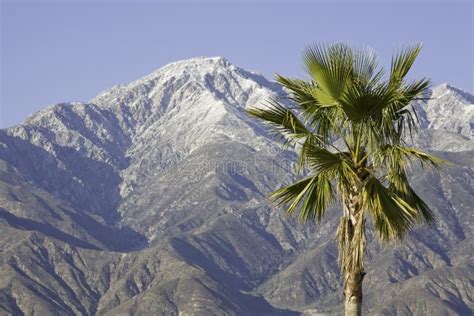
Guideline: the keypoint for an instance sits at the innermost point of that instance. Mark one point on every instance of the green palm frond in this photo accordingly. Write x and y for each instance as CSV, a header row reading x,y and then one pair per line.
x,y
396,157
325,119
300,91
333,164
331,69
401,187
320,195
401,64
303,153
328,122
366,67
392,215
362,102
401,112
320,159
281,121
409,92
315,193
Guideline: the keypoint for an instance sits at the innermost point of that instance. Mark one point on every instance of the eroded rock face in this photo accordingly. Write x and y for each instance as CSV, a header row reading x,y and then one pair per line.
x,y
151,199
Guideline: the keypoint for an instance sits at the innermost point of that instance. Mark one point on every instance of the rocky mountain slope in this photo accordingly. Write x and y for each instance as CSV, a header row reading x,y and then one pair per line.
x,y
151,199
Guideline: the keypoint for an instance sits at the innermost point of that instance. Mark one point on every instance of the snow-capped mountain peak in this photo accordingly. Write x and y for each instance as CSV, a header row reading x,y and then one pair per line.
x,y
447,89
205,87
450,109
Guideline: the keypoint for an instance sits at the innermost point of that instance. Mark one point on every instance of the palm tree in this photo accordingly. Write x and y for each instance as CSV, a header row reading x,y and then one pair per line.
x,y
348,122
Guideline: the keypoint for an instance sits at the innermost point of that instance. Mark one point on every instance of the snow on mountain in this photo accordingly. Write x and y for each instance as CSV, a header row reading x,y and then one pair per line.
x,y
210,95
208,87
184,106
450,109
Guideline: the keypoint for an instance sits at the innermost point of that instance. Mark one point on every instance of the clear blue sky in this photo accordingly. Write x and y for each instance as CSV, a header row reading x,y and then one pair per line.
x,y
59,51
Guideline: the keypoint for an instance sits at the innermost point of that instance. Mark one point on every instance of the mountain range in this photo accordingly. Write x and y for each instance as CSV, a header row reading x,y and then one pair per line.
x,y
151,199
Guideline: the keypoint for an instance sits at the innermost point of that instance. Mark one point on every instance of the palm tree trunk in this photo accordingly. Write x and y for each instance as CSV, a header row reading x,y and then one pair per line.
x,y
353,294
352,247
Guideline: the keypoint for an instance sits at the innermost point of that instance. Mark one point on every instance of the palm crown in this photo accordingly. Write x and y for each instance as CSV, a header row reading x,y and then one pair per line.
x,y
350,101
